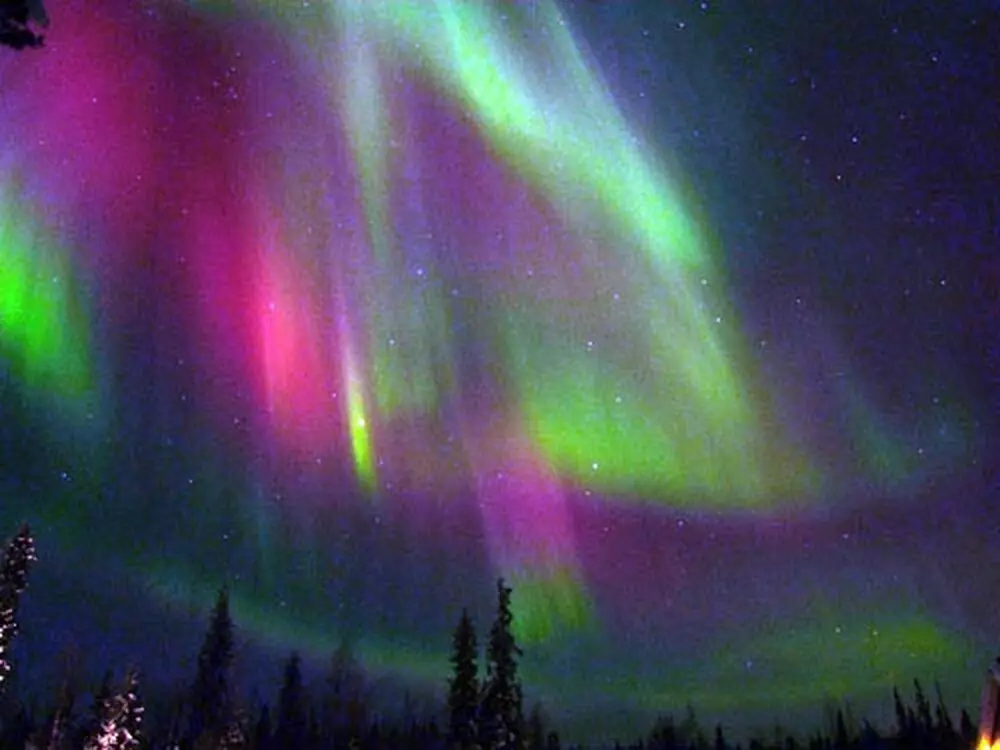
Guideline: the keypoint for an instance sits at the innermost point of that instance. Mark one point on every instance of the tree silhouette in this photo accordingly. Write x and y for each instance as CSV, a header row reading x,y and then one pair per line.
x,y
15,17
903,726
210,692
60,728
17,560
345,709
17,729
967,729
92,721
121,719
944,727
664,735
463,688
262,729
535,729
720,739
841,739
293,718
689,732
234,736
501,715
133,712
925,723
870,738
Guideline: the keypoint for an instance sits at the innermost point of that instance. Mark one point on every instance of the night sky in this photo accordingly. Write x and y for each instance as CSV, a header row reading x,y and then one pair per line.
x,y
680,316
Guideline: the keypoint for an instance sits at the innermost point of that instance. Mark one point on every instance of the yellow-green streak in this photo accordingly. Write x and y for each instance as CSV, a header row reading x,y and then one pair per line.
x,y
407,322
359,428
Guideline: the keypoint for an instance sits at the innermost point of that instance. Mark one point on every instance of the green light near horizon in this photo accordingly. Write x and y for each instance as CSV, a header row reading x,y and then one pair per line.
x,y
275,627
808,662
548,602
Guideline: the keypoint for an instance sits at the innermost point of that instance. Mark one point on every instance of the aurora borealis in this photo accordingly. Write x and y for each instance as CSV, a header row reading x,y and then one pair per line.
x,y
680,316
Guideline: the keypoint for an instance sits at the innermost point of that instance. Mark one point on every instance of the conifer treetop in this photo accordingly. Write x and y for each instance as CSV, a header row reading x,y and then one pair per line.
x,y
14,566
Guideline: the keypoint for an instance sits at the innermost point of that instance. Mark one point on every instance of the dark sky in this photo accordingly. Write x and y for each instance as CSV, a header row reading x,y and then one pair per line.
x,y
679,316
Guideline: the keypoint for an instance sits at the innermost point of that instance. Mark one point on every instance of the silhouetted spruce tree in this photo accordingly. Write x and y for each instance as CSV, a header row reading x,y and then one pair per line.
x,y
17,559
720,739
314,730
210,692
92,721
841,740
536,733
967,730
432,731
501,715
292,721
944,728
345,705
176,717
263,731
903,727
915,738
688,730
134,712
463,688
664,734
925,723
121,719
870,738
234,736
60,729
18,729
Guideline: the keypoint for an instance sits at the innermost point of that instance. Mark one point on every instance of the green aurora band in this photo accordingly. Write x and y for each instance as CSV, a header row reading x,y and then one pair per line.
x,y
565,137
43,327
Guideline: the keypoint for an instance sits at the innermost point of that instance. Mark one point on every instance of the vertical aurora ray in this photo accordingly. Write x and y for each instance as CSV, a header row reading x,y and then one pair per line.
x,y
888,459
587,165
361,443
562,129
669,388
550,601
404,305
529,532
43,329
566,131
357,417
883,456
295,374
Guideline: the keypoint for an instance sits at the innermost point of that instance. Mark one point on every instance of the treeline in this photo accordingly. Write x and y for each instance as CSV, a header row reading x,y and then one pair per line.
x,y
917,727
484,708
